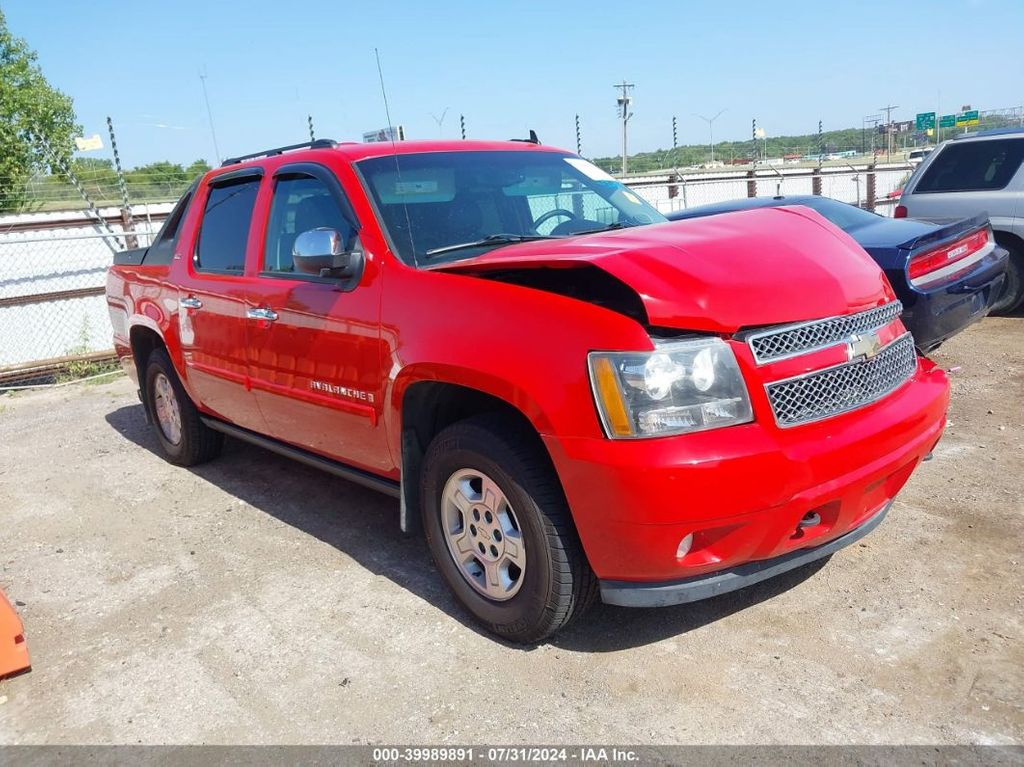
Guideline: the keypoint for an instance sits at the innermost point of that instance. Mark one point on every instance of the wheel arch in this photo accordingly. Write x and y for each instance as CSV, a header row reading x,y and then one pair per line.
x,y
1005,237
427,407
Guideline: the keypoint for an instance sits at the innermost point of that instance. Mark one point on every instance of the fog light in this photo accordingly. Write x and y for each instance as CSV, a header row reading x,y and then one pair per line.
x,y
684,546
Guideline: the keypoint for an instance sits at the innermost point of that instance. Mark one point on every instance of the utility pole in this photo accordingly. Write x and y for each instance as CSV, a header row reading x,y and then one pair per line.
x,y
579,142
462,126
888,129
821,143
209,115
711,130
624,102
311,136
870,120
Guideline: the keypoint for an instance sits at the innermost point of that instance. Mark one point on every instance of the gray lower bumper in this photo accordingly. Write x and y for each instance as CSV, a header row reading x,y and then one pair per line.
x,y
664,593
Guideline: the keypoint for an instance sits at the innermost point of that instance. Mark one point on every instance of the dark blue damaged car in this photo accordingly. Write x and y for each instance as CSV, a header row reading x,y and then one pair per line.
x,y
947,275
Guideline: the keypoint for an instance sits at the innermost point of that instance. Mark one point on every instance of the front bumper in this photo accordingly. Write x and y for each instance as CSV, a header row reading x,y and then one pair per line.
x,y
745,493
933,315
633,594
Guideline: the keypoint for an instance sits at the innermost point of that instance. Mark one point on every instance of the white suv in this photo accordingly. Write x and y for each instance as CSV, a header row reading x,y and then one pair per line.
x,y
976,173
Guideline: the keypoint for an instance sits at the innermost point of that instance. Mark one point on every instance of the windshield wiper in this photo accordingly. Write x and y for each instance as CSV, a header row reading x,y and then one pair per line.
x,y
491,239
609,228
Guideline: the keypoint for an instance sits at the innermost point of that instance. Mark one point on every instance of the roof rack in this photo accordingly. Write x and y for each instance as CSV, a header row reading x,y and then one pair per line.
x,y
320,143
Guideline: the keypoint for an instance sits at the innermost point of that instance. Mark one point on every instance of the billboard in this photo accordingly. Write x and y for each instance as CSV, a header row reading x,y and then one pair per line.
x,y
391,133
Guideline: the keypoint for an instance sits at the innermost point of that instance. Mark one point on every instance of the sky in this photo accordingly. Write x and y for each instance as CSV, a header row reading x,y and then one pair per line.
x,y
511,66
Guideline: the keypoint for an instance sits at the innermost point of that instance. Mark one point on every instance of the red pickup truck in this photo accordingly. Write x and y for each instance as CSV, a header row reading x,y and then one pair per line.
x,y
570,396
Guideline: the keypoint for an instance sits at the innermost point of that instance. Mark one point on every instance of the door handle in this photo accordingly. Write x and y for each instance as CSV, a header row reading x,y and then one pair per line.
x,y
261,313
190,303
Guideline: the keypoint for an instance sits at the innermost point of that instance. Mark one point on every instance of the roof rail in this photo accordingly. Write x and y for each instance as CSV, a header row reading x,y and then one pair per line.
x,y
320,143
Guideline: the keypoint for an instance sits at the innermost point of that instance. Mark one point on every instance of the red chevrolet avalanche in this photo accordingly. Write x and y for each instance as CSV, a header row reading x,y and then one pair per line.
x,y
571,397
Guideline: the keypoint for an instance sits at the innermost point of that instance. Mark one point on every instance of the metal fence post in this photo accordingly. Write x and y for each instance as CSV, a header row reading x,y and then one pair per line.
x,y
751,183
869,204
128,225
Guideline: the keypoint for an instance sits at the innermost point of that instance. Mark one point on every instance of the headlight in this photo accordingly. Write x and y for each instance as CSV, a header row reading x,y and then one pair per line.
x,y
680,387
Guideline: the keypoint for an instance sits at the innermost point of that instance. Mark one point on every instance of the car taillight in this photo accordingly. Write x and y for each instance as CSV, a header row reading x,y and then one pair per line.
x,y
939,263
900,212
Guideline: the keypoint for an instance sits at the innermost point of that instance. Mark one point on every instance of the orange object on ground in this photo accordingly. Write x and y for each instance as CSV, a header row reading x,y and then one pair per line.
x,y
13,649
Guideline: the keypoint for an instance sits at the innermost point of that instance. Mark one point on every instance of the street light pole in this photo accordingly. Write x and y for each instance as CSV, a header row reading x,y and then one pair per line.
x,y
711,130
624,101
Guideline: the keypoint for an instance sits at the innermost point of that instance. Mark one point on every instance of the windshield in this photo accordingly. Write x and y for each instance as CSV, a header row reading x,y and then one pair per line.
x,y
846,217
447,206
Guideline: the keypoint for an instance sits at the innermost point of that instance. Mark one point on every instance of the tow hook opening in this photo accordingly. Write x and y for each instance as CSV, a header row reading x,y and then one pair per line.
x,y
809,520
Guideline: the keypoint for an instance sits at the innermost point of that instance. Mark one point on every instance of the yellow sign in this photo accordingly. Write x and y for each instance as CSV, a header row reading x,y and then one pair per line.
x,y
88,144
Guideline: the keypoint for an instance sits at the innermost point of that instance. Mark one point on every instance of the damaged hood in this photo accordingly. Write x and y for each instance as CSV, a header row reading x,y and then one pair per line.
x,y
716,274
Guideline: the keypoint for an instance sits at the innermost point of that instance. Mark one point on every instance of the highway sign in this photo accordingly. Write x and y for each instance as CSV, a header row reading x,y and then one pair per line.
x,y
925,121
967,119
947,121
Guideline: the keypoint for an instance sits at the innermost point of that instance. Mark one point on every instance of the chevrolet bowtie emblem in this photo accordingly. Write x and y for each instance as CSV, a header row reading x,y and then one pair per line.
x,y
863,346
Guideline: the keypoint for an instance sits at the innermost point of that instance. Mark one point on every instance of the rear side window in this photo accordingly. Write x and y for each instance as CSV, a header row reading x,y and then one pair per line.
x,y
973,166
162,250
224,231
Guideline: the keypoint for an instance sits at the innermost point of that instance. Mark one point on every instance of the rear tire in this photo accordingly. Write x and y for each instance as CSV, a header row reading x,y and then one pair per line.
x,y
512,512
1012,295
184,438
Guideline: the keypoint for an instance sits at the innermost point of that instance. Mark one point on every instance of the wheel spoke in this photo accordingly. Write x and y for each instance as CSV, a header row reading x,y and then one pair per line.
x,y
463,544
462,503
514,549
491,494
493,579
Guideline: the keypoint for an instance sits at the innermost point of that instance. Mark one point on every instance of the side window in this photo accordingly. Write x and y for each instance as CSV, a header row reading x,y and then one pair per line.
x,y
224,230
973,166
162,249
300,204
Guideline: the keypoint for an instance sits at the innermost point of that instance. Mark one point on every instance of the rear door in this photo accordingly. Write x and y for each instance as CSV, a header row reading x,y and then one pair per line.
x,y
212,320
314,343
966,178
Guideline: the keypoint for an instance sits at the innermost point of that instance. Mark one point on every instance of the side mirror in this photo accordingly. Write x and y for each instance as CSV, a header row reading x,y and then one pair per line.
x,y
321,252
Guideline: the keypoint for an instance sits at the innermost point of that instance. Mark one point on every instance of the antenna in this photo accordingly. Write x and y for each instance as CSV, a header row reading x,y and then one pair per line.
x,y
209,114
394,149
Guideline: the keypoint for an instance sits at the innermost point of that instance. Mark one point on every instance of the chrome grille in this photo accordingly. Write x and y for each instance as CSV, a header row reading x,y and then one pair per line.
x,y
836,390
789,340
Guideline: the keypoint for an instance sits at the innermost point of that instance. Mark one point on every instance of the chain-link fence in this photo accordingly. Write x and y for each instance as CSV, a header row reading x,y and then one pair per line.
x,y
871,187
52,279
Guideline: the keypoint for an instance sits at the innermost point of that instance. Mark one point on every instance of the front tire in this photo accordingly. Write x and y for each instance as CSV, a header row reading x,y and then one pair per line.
x,y
184,438
499,529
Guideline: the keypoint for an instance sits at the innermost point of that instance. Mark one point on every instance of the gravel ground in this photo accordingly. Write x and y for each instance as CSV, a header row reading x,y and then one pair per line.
x,y
254,600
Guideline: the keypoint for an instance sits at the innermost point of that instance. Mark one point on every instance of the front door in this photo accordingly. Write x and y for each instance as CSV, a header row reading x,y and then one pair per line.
x,y
314,348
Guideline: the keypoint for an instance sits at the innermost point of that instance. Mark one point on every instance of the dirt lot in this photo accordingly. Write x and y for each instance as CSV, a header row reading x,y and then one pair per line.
x,y
254,600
